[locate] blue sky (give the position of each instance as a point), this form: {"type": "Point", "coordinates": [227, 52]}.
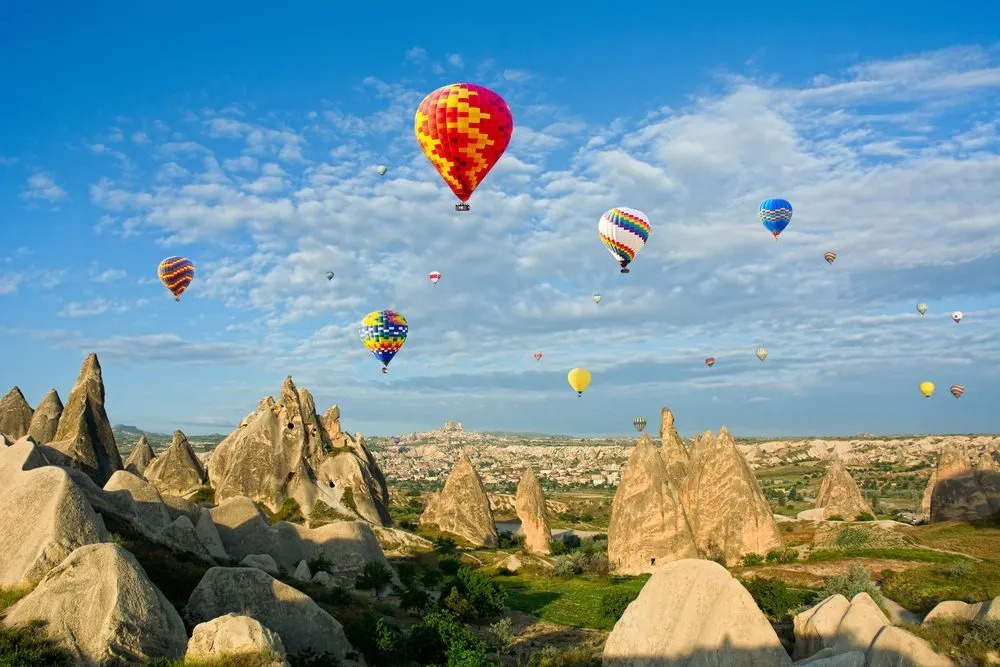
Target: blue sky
{"type": "Point", "coordinates": [245, 136]}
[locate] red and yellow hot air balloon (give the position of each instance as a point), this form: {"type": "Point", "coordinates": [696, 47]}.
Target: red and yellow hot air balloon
{"type": "Point", "coordinates": [710, 362]}
{"type": "Point", "coordinates": [463, 130]}
{"type": "Point", "coordinates": [176, 273]}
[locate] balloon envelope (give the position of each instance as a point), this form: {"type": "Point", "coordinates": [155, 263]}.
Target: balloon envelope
{"type": "Point", "coordinates": [830, 256]}
{"type": "Point", "coordinates": [957, 316]}
{"type": "Point", "coordinates": [383, 332]}
{"type": "Point", "coordinates": [381, 169]}
{"type": "Point", "coordinates": [927, 388]}
{"type": "Point", "coordinates": [957, 390]}
{"type": "Point", "coordinates": [329, 275]}
{"type": "Point", "coordinates": [775, 214]}
{"type": "Point", "coordinates": [538, 356]}
{"type": "Point", "coordinates": [639, 423]}
{"type": "Point", "coordinates": [463, 130]}
{"type": "Point", "coordinates": [624, 231]}
{"type": "Point", "coordinates": [597, 298]}
{"type": "Point", "coordinates": [761, 353]}
{"type": "Point", "coordinates": [579, 380]}
{"type": "Point", "coordinates": [710, 362]}
{"type": "Point", "coordinates": [176, 273]}
{"type": "Point", "coordinates": [434, 276]}
{"type": "Point", "coordinates": [921, 308]}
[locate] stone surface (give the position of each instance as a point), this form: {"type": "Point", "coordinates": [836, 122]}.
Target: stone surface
{"type": "Point", "coordinates": [233, 635]}
{"type": "Point", "coordinates": [263, 562]}
{"type": "Point", "coordinates": [839, 493]}
{"type": "Point", "coordinates": [149, 506]}
{"type": "Point", "coordinates": [859, 625]}
{"type": "Point", "coordinates": [462, 508]}
{"type": "Point", "coordinates": [177, 471]}
{"type": "Point", "coordinates": [895, 647]}
{"type": "Point", "coordinates": [45, 420]}
{"type": "Point", "coordinates": [530, 508]}
{"type": "Point", "coordinates": [956, 494]}
{"type": "Point", "coordinates": [142, 455]}
{"type": "Point", "coordinates": [816, 627]}
{"type": "Point", "coordinates": [15, 414]}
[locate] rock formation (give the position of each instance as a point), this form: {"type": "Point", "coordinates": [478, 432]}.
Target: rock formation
{"type": "Point", "coordinates": [462, 508]}
{"type": "Point", "coordinates": [839, 493]}
{"type": "Point", "coordinates": [728, 512]}
{"type": "Point", "coordinates": [15, 414]}
{"type": "Point", "coordinates": [149, 507]}
{"type": "Point", "coordinates": [45, 421]}
{"type": "Point", "coordinates": [675, 456]}
{"type": "Point", "coordinates": [693, 612]}
{"type": "Point", "coordinates": [142, 455]}
{"type": "Point", "coordinates": [894, 646]}
{"type": "Point", "coordinates": [177, 471]}
{"type": "Point", "coordinates": [84, 438]}
{"type": "Point", "coordinates": [925, 500]}
{"type": "Point", "coordinates": [649, 524]}
{"type": "Point", "coordinates": [234, 635]}
{"type": "Point", "coordinates": [816, 627]}
{"type": "Point", "coordinates": [956, 494]}
{"type": "Point", "coordinates": [988, 478]}
{"type": "Point", "coordinates": [530, 507]}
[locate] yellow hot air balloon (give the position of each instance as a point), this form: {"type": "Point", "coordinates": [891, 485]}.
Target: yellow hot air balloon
{"type": "Point", "coordinates": [579, 379]}
{"type": "Point", "coordinates": [927, 388]}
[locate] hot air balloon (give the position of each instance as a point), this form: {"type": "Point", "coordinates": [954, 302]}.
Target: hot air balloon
{"type": "Point", "coordinates": [538, 356]}
{"type": "Point", "coordinates": [957, 390]}
{"type": "Point", "coordinates": [761, 353]}
{"type": "Point", "coordinates": [176, 273]}
{"type": "Point", "coordinates": [921, 308]}
{"type": "Point", "coordinates": [927, 388]}
{"type": "Point", "coordinates": [463, 130]}
{"type": "Point", "coordinates": [381, 169]}
{"type": "Point", "coordinates": [434, 276]}
{"type": "Point", "coordinates": [383, 332]}
{"type": "Point", "coordinates": [639, 423]}
{"type": "Point", "coordinates": [329, 275]}
{"type": "Point", "coordinates": [395, 440]}
{"type": "Point", "coordinates": [775, 214]}
{"type": "Point", "coordinates": [597, 298]}
{"type": "Point", "coordinates": [957, 316]}
{"type": "Point", "coordinates": [579, 380]}
{"type": "Point", "coordinates": [624, 231]}
{"type": "Point", "coordinates": [710, 362]}
{"type": "Point", "coordinates": [830, 256]}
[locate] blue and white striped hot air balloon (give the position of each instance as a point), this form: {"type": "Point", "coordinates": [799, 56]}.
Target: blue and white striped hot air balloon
{"type": "Point", "coordinates": [775, 214]}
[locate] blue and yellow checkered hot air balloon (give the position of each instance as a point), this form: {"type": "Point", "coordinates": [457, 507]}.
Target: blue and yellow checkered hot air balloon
{"type": "Point", "coordinates": [176, 273]}
{"type": "Point", "coordinates": [775, 214]}
{"type": "Point", "coordinates": [383, 332]}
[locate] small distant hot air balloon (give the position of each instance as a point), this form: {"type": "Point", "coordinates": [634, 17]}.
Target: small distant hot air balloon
{"type": "Point", "coordinates": [579, 380]}
{"type": "Point", "coordinates": [927, 388]}
{"type": "Point", "coordinates": [830, 256]}
{"type": "Point", "coordinates": [761, 353]}
{"type": "Point", "coordinates": [395, 440]}
{"type": "Point", "coordinates": [775, 214]}
{"type": "Point", "coordinates": [463, 130]}
{"type": "Point", "coordinates": [957, 390]}
{"type": "Point", "coordinates": [597, 298]}
{"type": "Point", "coordinates": [538, 356]}
{"type": "Point", "coordinates": [639, 423]}
{"type": "Point", "coordinates": [624, 231]}
{"type": "Point", "coordinates": [383, 332]}
{"type": "Point", "coordinates": [957, 316]}
{"type": "Point", "coordinates": [381, 169]}
{"type": "Point", "coordinates": [710, 362]}
{"type": "Point", "coordinates": [434, 276]}
{"type": "Point", "coordinates": [329, 275]}
{"type": "Point", "coordinates": [176, 273]}
{"type": "Point", "coordinates": [921, 308]}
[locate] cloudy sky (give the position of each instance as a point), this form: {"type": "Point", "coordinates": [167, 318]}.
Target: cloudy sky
{"type": "Point", "coordinates": [245, 136]}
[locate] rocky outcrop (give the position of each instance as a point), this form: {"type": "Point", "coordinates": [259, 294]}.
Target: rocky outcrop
{"type": "Point", "coordinates": [693, 612]}
{"type": "Point", "coordinates": [956, 494]}
{"type": "Point", "coordinates": [100, 605]}
{"type": "Point", "coordinates": [859, 625]}
{"type": "Point", "coordinates": [300, 622]}
{"type": "Point", "coordinates": [839, 493]}
{"type": "Point", "coordinates": [895, 647]}
{"type": "Point", "coordinates": [925, 501]}
{"type": "Point", "coordinates": [530, 507]}
{"type": "Point", "coordinates": [675, 456]}
{"type": "Point", "coordinates": [142, 455]}
{"type": "Point", "coordinates": [45, 420]}
{"type": "Point", "coordinates": [728, 512]}
{"type": "Point", "coordinates": [234, 635]}
{"type": "Point", "coordinates": [178, 470]}
{"type": "Point", "coordinates": [649, 524]}
{"type": "Point", "coordinates": [462, 508]}
{"type": "Point", "coordinates": [84, 439]}
{"type": "Point", "coordinates": [149, 508]}
{"type": "Point", "coordinates": [15, 414]}
{"type": "Point", "coordinates": [988, 478]}
{"type": "Point", "coordinates": [816, 628]}
{"type": "Point", "coordinates": [355, 491]}
{"type": "Point", "coordinates": [988, 610]}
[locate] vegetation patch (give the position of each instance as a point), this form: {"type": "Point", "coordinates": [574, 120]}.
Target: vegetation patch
{"type": "Point", "coordinates": [970, 642]}
{"type": "Point", "coordinates": [775, 598]}
{"type": "Point", "coordinates": [921, 588]}
{"type": "Point", "coordinates": [575, 602]}
{"type": "Point", "coordinates": [323, 514]}
{"type": "Point", "coordinates": [859, 536]}
{"type": "Point", "coordinates": [29, 646]}
{"type": "Point", "coordinates": [289, 511]}
{"type": "Point", "coordinates": [912, 554]}
{"type": "Point", "coordinates": [348, 499]}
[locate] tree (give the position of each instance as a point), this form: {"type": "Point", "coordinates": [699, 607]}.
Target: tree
{"type": "Point", "coordinates": [375, 576]}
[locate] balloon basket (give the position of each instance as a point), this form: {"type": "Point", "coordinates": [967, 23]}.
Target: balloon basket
{"type": "Point", "coordinates": [385, 370]}
{"type": "Point", "coordinates": [626, 271]}
{"type": "Point", "coordinates": [462, 207]}
{"type": "Point", "coordinates": [177, 299]}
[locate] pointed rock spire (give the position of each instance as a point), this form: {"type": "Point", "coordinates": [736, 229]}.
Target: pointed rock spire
{"type": "Point", "coordinates": [45, 421]}
{"type": "Point", "coordinates": [462, 507]}
{"type": "Point", "coordinates": [529, 503]}
{"type": "Point", "coordinates": [15, 414]}
{"type": "Point", "coordinates": [839, 493]}
{"type": "Point", "coordinates": [140, 458]}
{"type": "Point", "coordinates": [956, 494]}
{"type": "Point", "coordinates": [178, 471]}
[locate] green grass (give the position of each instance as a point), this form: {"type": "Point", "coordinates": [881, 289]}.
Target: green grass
{"type": "Point", "coordinates": [259, 659]}
{"type": "Point", "coordinates": [921, 588]}
{"type": "Point", "coordinates": [30, 647]}
{"type": "Point", "coordinates": [575, 601]}
{"type": "Point", "coordinates": [903, 554]}
{"type": "Point", "coordinates": [970, 641]}
{"type": "Point", "coordinates": [8, 596]}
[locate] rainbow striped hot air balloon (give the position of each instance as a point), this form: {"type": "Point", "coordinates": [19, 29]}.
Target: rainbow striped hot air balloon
{"type": "Point", "coordinates": [830, 256]}
{"type": "Point", "coordinates": [383, 332]}
{"type": "Point", "coordinates": [176, 273]}
{"type": "Point", "coordinates": [775, 214]}
{"type": "Point", "coordinates": [624, 231]}
{"type": "Point", "coordinates": [639, 423]}
{"type": "Point", "coordinates": [957, 390]}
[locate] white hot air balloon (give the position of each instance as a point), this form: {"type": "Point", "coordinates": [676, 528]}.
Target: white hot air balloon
{"type": "Point", "coordinates": [624, 231]}
{"type": "Point", "coordinates": [434, 276]}
{"type": "Point", "coordinates": [957, 316]}
{"type": "Point", "coordinates": [381, 169]}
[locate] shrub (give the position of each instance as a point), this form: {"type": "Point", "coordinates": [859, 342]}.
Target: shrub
{"type": "Point", "coordinates": [407, 572]}
{"type": "Point", "coordinates": [614, 602]}
{"type": "Point", "coordinates": [441, 639]}
{"type": "Point", "coordinates": [388, 639]}
{"type": "Point", "coordinates": [835, 517]}
{"type": "Point", "coordinates": [334, 596]}
{"type": "Point", "coordinates": [375, 576]}
{"type": "Point", "coordinates": [865, 516]}
{"type": "Point", "coordinates": [320, 563]}
{"type": "Point", "coordinates": [774, 597]}
{"type": "Point", "coordinates": [855, 580]}
{"type": "Point", "coordinates": [30, 645]}
{"type": "Point", "coordinates": [449, 564]}
{"type": "Point", "coordinates": [752, 559]}
{"type": "Point", "coordinates": [960, 569]}
{"type": "Point", "coordinates": [571, 540]}
{"type": "Point", "coordinates": [289, 511]}
{"type": "Point", "coordinates": [558, 547]}
{"type": "Point", "coordinates": [509, 540]}
{"type": "Point", "coordinates": [455, 602]}
{"type": "Point", "coordinates": [445, 545]}
{"type": "Point", "coordinates": [430, 577]}
{"type": "Point", "coordinates": [486, 596]}
{"type": "Point", "coordinates": [984, 633]}
{"type": "Point", "coordinates": [501, 636]}
{"type": "Point", "coordinates": [782, 556]}
{"type": "Point", "coordinates": [565, 566]}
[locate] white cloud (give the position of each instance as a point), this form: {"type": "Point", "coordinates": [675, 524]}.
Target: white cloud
{"type": "Point", "coordinates": [140, 138]}
{"type": "Point", "coordinates": [91, 308]}
{"type": "Point", "coordinates": [455, 60]}
{"type": "Point", "coordinates": [109, 275]}
{"type": "Point", "coordinates": [516, 75]}
{"type": "Point", "coordinates": [416, 54]}
{"type": "Point", "coordinates": [42, 187]}
{"type": "Point", "coordinates": [9, 283]}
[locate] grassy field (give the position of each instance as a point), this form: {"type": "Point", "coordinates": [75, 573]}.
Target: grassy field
{"type": "Point", "coordinates": [572, 601]}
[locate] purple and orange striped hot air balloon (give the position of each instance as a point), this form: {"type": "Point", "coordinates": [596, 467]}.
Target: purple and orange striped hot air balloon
{"type": "Point", "coordinates": [830, 256]}
{"type": "Point", "coordinates": [957, 390]}
{"type": "Point", "coordinates": [176, 273]}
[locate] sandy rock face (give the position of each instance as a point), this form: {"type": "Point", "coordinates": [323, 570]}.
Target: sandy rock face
{"type": "Point", "coordinates": [100, 605]}
{"type": "Point", "coordinates": [957, 494]}
{"type": "Point", "coordinates": [925, 500]}
{"type": "Point", "coordinates": [648, 520]}
{"type": "Point", "coordinates": [720, 624]}
{"type": "Point", "coordinates": [988, 478]}
{"type": "Point", "coordinates": [675, 456]}
{"type": "Point", "coordinates": [233, 634]}
{"type": "Point", "coordinates": [15, 414]}
{"type": "Point", "coordinates": [839, 493]}
{"type": "Point", "coordinates": [530, 507]}
{"type": "Point", "coordinates": [355, 490]}
{"type": "Point", "coordinates": [178, 471]}
{"type": "Point", "coordinates": [45, 420]}
{"type": "Point", "coordinates": [149, 506]}
{"type": "Point", "coordinates": [895, 647]}
{"type": "Point", "coordinates": [84, 438]}
{"type": "Point", "coordinates": [299, 621]}
{"type": "Point", "coordinates": [462, 507]}
{"type": "Point", "coordinates": [859, 625]}
{"type": "Point", "coordinates": [728, 512]}
{"type": "Point", "coordinates": [816, 628]}
{"type": "Point", "coordinates": [140, 458]}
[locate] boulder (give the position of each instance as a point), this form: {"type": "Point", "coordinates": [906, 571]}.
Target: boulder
{"type": "Point", "coordinates": [839, 493]}
{"type": "Point", "coordinates": [649, 524]}
{"type": "Point", "coordinates": [952, 609]}
{"type": "Point", "coordinates": [233, 635]}
{"type": "Point", "coordinates": [300, 622]}
{"type": "Point", "coordinates": [462, 508]}
{"type": "Point", "coordinates": [45, 420]}
{"type": "Point", "coordinates": [895, 647]}
{"type": "Point", "coordinates": [827, 658]}
{"type": "Point", "coordinates": [530, 508]}
{"type": "Point", "coordinates": [84, 439]}
{"type": "Point", "coordinates": [400, 542]}
{"type": "Point", "coordinates": [15, 414]}
{"type": "Point", "coordinates": [149, 507]}
{"type": "Point", "coordinates": [142, 455]}
{"type": "Point", "coordinates": [302, 572]}
{"type": "Point", "coordinates": [861, 622]}
{"type": "Point", "coordinates": [694, 613]}
{"type": "Point", "coordinates": [262, 562]}
{"type": "Point", "coordinates": [177, 471]}
{"type": "Point", "coordinates": [816, 627]}
{"type": "Point", "coordinates": [100, 605]}
{"type": "Point", "coordinates": [324, 579]}
{"type": "Point", "coordinates": [956, 495]}
{"type": "Point", "coordinates": [812, 515]}
{"type": "Point", "coordinates": [181, 536]}
{"type": "Point", "coordinates": [209, 535]}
